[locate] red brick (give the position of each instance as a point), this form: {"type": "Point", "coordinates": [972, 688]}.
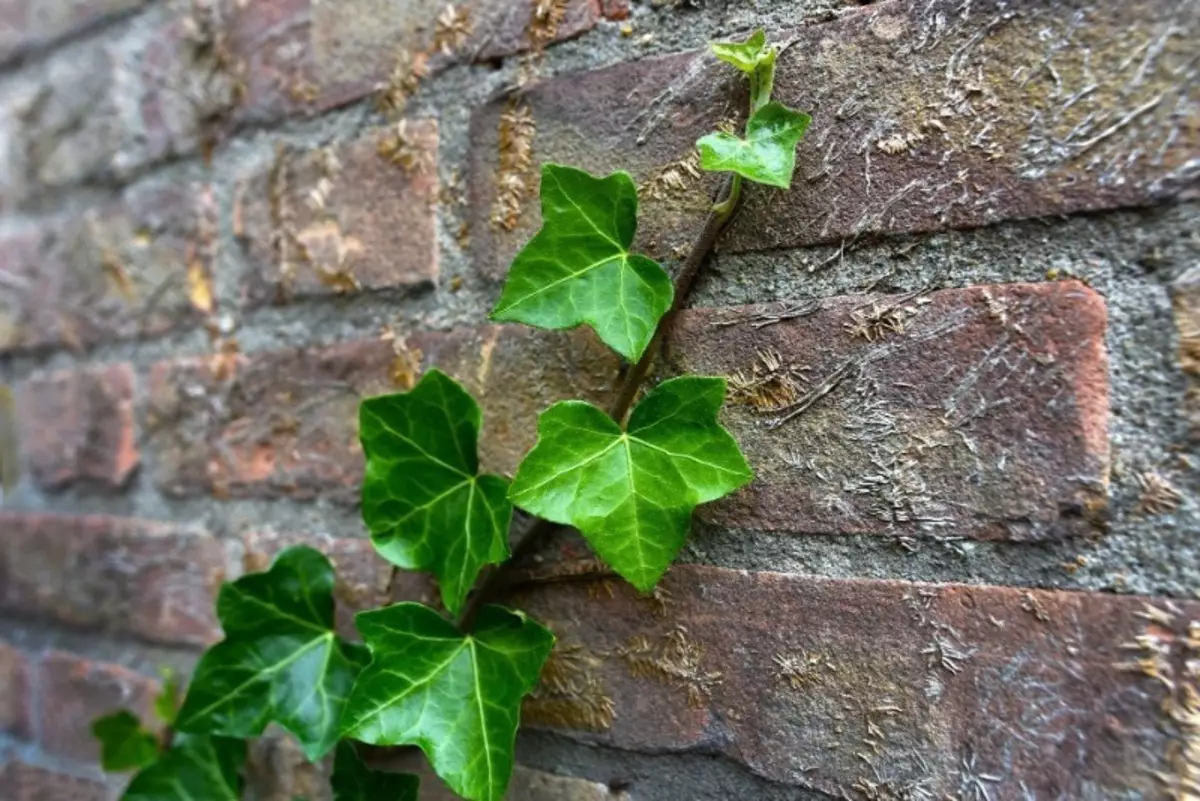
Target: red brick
{"type": "Point", "coordinates": [926, 116]}
{"type": "Point", "coordinates": [152, 580]}
{"type": "Point", "coordinates": [285, 423]}
{"type": "Point", "coordinates": [342, 218]}
{"type": "Point", "coordinates": [77, 425]}
{"type": "Point", "coordinates": [986, 417]}
{"type": "Point", "coordinates": [73, 692]}
{"type": "Point", "coordinates": [118, 271]}
{"type": "Point", "coordinates": [32, 23]}
{"type": "Point", "coordinates": [23, 782]}
{"type": "Point", "coordinates": [15, 713]}
{"type": "Point", "coordinates": [829, 684]}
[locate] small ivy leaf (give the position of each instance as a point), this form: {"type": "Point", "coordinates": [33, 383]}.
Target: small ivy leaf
{"type": "Point", "coordinates": [768, 153]}
{"type": "Point", "coordinates": [280, 660]}
{"type": "Point", "coordinates": [456, 696]}
{"type": "Point", "coordinates": [746, 55]}
{"type": "Point", "coordinates": [578, 268]}
{"type": "Point", "coordinates": [124, 744]}
{"type": "Point", "coordinates": [166, 703]}
{"type": "Point", "coordinates": [422, 500]}
{"type": "Point", "coordinates": [631, 493]}
{"type": "Point", "coordinates": [354, 781]}
{"type": "Point", "coordinates": [196, 767]}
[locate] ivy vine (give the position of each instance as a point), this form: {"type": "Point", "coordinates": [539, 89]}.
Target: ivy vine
{"type": "Point", "coordinates": [627, 480]}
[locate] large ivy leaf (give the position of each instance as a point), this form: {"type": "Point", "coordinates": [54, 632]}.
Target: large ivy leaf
{"type": "Point", "coordinates": [422, 500]}
{"type": "Point", "coordinates": [124, 744]}
{"type": "Point", "coordinates": [280, 660]}
{"type": "Point", "coordinates": [456, 696]}
{"type": "Point", "coordinates": [747, 55]}
{"type": "Point", "coordinates": [195, 768]}
{"type": "Point", "coordinates": [578, 268]}
{"type": "Point", "coordinates": [632, 492]}
{"type": "Point", "coordinates": [768, 153]}
{"type": "Point", "coordinates": [354, 781]}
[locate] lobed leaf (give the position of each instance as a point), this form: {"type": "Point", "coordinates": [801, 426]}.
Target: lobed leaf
{"type": "Point", "coordinates": [768, 153]}
{"type": "Point", "coordinates": [354, 781]}
{"type": "Point", "coordinates": [280, 660]}
{"type": "Point", "coordinates": [422, 499]}
{"type": "Point", "coordinates": [124, 744]}
{"type": "Point", "coordinates": [579, 269]}
{"type": "Point", "coordinates": [456, 696]}
{"type": "Point", "coordinates": [631, 493]}
{"type": "Point", "coordinates": [196, 767]}
{"type": "Point", "coordinates": [747, 55]}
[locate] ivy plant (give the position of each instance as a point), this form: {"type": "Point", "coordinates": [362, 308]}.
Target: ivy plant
{"type": "Point", "coordinates": [451, 680]}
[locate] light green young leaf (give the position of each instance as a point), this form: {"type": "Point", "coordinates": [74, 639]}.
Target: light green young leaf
{"type": "Point", "coordinates": [746, 55]}
{"type": "Point", "coordinates": [280, 660]}
{"type": "Point", "coordinates": [767, 154]}
{"type": "Point", "coordinates": [354, 781]}
{"type": "Point", "coordinates": [631, 493]}
{"type": "Point", "coordinates": [422, 499]}
{"type": "Point", "coordinates": [456, 696]}
{"type": "Point", "coordinates": [166, 703]}
{"type": "Point", "coordinates": [579, 269]}
{"type": "Point", "coordinates": [196, 767]}
{"type": "Point", "coordinates": [124, 744]}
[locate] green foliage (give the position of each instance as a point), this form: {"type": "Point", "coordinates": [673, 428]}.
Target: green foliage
{"type": "Point", "coordinates": [456, 696]}
{"type": "Point", "coordinates": [768, 153]}
{"type": "Point", "coordinates": [124, 744]}
{"type": "Point", "coordinates": [747, 56]}
{"type": "Point", "coordinates": [422, 500]}
{"type": "Point", "coordinates": [632, 492]}
{"type": "Point", "coordinates": [579, 269]}
{"type": "Point", "coordinates": [354, 781]}
{"type": "Point", "coordinates": [280, 660]}
{"type": "Point", "coordinates": [166, 703]}
{"type": "Point", "coordinates": [196, 767]}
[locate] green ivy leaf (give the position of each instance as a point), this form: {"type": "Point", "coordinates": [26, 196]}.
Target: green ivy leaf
{"type": "Point", "coordinates": [422, 500]}
{"type": "Point", "coordinates": [747, 55]}
{"type": "Point", "coordinates": [767, 154]}
{"type": "Point", "coordinates": [578, 268]}
{"type": "Point", "coordinates": [124, 744]}
{"type": "Point", "coordinates": [166, 703]}
{"type": "Point", "coordinates": [456, 696]}
{"type": "Point", "coordinates": [354, 781]}
{"type": "Point", "coordinates": [280, 660]}
{"type": "Point", "coordinates": [196, 767]}
{"type": "Point", "coordinates": [631, 493]}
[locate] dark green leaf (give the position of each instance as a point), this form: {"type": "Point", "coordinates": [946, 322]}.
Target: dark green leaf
{"type": "Point", "coordinates": [354, 781]}
{"type": "Point", "coordinates": [767, 154]}
{"type": "Point", "coordinates": [631, 493]}
{"type": "Point", "coordinates": [578, 268]}
{"type": "Point", "coordinates": [280, 660]}
{"type": "Point", "coordinates": [197, 768]}
{"type": "Point", "coordinates": [744, 55]}
{"type": "Point", "coordinates": [124, 744]}
{"type": "Point", "coordinates": [166, 703]}
{"type": "Point", "coordinates": [425, 505]}
{"type": "Point", "coordinates": [456, 696]}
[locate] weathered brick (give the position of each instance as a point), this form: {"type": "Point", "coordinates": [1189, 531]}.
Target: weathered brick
{"type": "Point", "coordinates": [20, 781]}
{"type": "Point", "coordinates": [121, 270]}
{"type": "Point", "coordinates": [73, 692]}
{"type": "Point", "coordinates": [152, 580]}
{"type": "Point", "coordinates": [342, 218]}
{"type": "Point", "coordinates": [15, 713]}
{"type": "Point", "coordinates": [527, 784]}
{"type": "Point", "coordinates": [978, 412]}
{"type": "Point", "coordinates": [833, 684]}
{"type": "Point", "coordinates": [926, 115]}
{"type": "Point", "coordinates": [77, 425]}
{"type": "Point", "coordinates": [286, 422]}
{"type": "Point", "coordinates": [32, 23]}
{"type": "Point", "coordinates": [1187, 322]}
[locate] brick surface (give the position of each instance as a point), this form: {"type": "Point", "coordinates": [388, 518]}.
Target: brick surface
{"type": "Point", "coordinates": [20, 781]}
{"type": "Point", "coordinates": [151, 580]}
{"type": "Point", "coordinates": [926, 115]}
{"type": "Point", "coordinates": [1187, 322]}
{"type": "Point", "coordinates": [78, 426]}
{"type": "Point", "coordinates": [31, 23]}
{"type": "Point", "coordinates": [527, 784]}
{"type": "Point", "coordinates": [15, 713]}
{"type": "Point", "coordinates": [285, 423]}
{"type": "Point", "coordinates": [838, 685]}
{"type": "Point", "coordinates": [119, 270]}
{"type": "Point", "coordinates": [978, 412]}
{"type": "Point", "coordinates": [342, 218]}
{"type": "Point", "coordinates": [73, 692]}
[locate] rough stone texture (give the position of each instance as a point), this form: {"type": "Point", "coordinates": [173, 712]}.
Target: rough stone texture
{"type": "Point", "coordinates": [343, 218]}
{"type": "Point", "coordinates": [925, 116]}
{"type": "Point", "coordinates": [286, 423]}
{"type": "Point", "coordinates": [79, 427]}
{"type": "Point", "coordinates": [34, 23]}
{"type": "Point", "coordinates": [839, 685]}
{"type": "Point", "coordinates": [151, 580]}
{"type": "Point", "coordinates": [20, 781]}
{"type": "Point", "coordinates": [16, 716]}
{"type": "Point", "coordinates": [978, 412]}
{"type": "Point", "coordinates": [1187, 320]}
{"type": "Point", "coordinates": [527, 784]}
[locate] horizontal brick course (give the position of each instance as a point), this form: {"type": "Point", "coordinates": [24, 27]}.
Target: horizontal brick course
{"type": "Point", "coordinates": [32, 23]}
{"type": "Point", "coordinates": [20, 781]}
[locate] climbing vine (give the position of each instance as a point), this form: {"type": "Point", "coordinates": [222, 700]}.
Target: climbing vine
{"type": "Point", "coordinates": [628, 478]}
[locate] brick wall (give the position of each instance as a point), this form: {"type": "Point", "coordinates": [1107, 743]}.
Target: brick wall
{"type": "Point", "coordinates": [968, 569]}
